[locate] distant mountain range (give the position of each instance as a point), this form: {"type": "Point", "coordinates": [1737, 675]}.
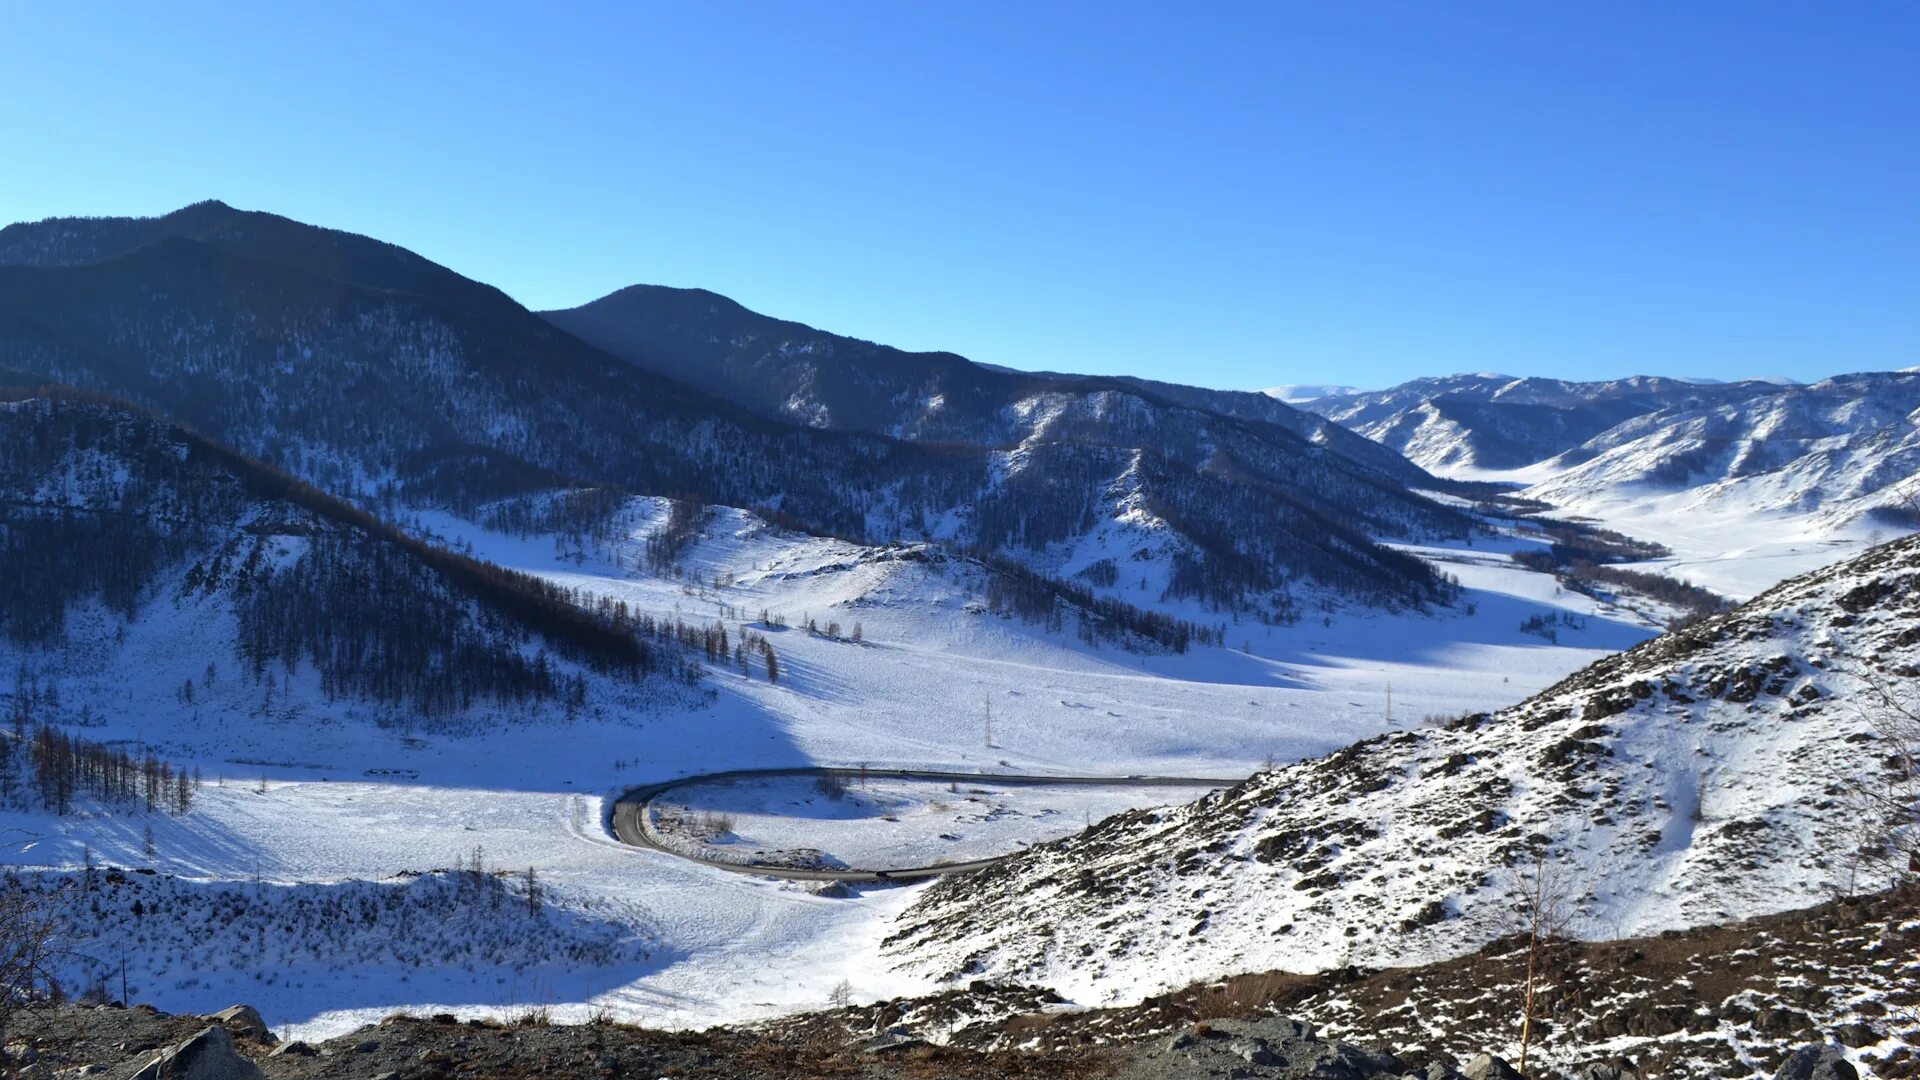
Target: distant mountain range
{"type": "Point", "coordinates": [1845, 448]}
{"type": "Point", "coordinates": [790, 371]}
{"type": "Point", "coordinates": [394, 382]}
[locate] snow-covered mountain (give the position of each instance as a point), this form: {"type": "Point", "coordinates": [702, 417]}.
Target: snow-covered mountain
{"type": "Point", "coordinates": [382, 377]}
{"type": "Point", "coordinates": [794, 372]}
{"type": "Point", "coordinates": [1744, 483]}
{"type": "Point", "coordinates": [1697, 778]}
{"type": "Point", "coordinates": [1844, 448]}
{"type": "Point", "coordinates": [1491, 421]}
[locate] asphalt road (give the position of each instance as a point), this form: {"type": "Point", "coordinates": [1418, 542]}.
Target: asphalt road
{"type": "Point", "coordinates": [629, 820]}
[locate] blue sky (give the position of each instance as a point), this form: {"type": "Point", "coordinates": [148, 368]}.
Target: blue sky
{"type": "Point", "coordinates": [1229, 195]}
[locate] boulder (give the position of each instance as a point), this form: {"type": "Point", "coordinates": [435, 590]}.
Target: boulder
{"type": "Point", "coordinates": [296, 1048]}
{"type": "Point", "coordinates": [1488, 1067]}
{"type": "Point", "coordinates": [207, 1056]}
{"type": "Point", "coordinates": [892, 1040]}
{"type": "Point", "coordinates": [1255, 1052]}
{"type": "Point", "coordinates": [244, 1021]}
{"type": "Point", "coordinates": [1856, 1035]}
{"type": "Point", "coordinates": [1827, 1062]}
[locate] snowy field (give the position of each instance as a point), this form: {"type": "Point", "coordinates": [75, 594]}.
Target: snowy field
{"type": "Point", "coordinates": [883, 822]}
{"type": "Point", "coordinates": [309, 796]}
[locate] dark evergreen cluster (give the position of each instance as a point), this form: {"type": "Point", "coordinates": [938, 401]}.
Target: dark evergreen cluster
{"type": "Point", "coordinates": [1015, 590]}
{"type": "Point", "coordinates": [684, 520]}
{"type": "Point", "coordinates": [1254, 538]}
{"type": "Point", "coordinates": [1579, 554]}
{"type": "Point", "coordinates": [576, 515]}
{"type": "Point", "coordinates": [377, 624]}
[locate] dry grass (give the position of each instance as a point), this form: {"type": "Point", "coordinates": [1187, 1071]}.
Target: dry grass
{"type": "Point", "coordinates": [1249, 995]}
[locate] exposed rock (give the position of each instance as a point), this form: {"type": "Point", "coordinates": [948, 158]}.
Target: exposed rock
{"type": "Point", "coordinates": [244, 1021]}
{"type": "Point", "coordinates": [1856, 1035]}
{"type": "Point", "coordinates": [1488, 1067]}
{"type": "Point", "coordinates": [207, 1056]}
{"type": "Point", "coordinates": [1826, 1062]}
{"type": "Point", "coordinates": [892, 1040]}
{"type": "Point", "coordinates": [1269, 1047]}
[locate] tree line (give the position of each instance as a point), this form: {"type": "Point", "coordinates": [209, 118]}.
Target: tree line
{"type": "Point", "coordinates": [1013, 589]}
{"type": "Point", "coordinates": [45, 766]}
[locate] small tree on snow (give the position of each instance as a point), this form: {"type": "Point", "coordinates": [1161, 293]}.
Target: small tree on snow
{"type": "Point", "coordinates": [1885, 798]}
{"type": "Point", "coordinates": [1543, 908]}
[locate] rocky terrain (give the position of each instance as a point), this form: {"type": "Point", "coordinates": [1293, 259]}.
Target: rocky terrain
{"type": "Point", "coordinates": [1701, 777]}
{"type": "Point", "coordinates": [1835, 987]}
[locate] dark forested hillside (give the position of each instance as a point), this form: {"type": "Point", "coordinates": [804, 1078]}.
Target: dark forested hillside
{"type": "Point", "coordinates": [390, 381]}
{"type": "Point", "coordinates": [108, 515]}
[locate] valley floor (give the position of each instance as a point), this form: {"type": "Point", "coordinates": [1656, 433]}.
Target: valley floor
{"type": "Point", "coordinates": [308, 797]}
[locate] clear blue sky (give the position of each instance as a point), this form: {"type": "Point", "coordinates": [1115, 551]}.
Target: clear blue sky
{"type": "Point", "coordinates": [1230, 195]}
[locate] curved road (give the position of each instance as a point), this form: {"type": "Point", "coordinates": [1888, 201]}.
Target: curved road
{"type": "Point", "coordinates": [631, 825]}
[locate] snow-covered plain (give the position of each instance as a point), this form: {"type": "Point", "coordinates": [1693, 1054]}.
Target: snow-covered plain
{"type": "Point", "coordinates": [309, 794]}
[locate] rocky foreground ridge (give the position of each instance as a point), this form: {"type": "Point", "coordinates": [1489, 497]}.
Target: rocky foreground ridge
{"type": "Point", "coordinates": [1827, 993]}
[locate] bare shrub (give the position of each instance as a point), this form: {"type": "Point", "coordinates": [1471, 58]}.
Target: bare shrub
{"type": "Point", "coordinates": [1246, 995]}
{"type": "Point", "coordinates": [1885, 800]}
{"type": "Point", "coordinates": [32, 944]}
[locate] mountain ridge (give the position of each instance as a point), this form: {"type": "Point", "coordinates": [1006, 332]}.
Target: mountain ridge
{"type": "Point", "coordinates": [389, 379]}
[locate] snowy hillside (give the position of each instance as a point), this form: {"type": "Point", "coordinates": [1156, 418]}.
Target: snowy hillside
{"type": "Point", "coordinates": [1843, 448]}
{"type": "Point", "coordinates": [151, 571]}
{"type": "Point", "coordinates": [794, 372]}
{"type": "Point", "coordinates": [1693, 779]}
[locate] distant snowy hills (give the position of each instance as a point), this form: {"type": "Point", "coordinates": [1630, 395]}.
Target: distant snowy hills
{"type": "Point", "coordinates": [1697, 778]}
{"type": "Point", "coordinates": [1745, 481]}
{"type": "Point", "coordinates": [1491, 421]}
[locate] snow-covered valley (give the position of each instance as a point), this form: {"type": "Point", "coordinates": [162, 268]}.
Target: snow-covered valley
{"type": "Point", "coordinates": [304, 795]}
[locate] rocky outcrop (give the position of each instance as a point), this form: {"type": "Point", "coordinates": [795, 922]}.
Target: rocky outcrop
{"type": "Point", "coordinates": [244, 1021]}
{"type": "Point", "coordinates": [207, 1056]}
{"type": "Point", "coordinates": [1818, 1063]}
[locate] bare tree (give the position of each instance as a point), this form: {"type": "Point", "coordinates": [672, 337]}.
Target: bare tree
{"type": "Point", "coordinates": [1885, 800]}
{"type": "Point", "coordinates": [33, 942]}
{"type": "Point", "coordinates": [1543, 907]}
